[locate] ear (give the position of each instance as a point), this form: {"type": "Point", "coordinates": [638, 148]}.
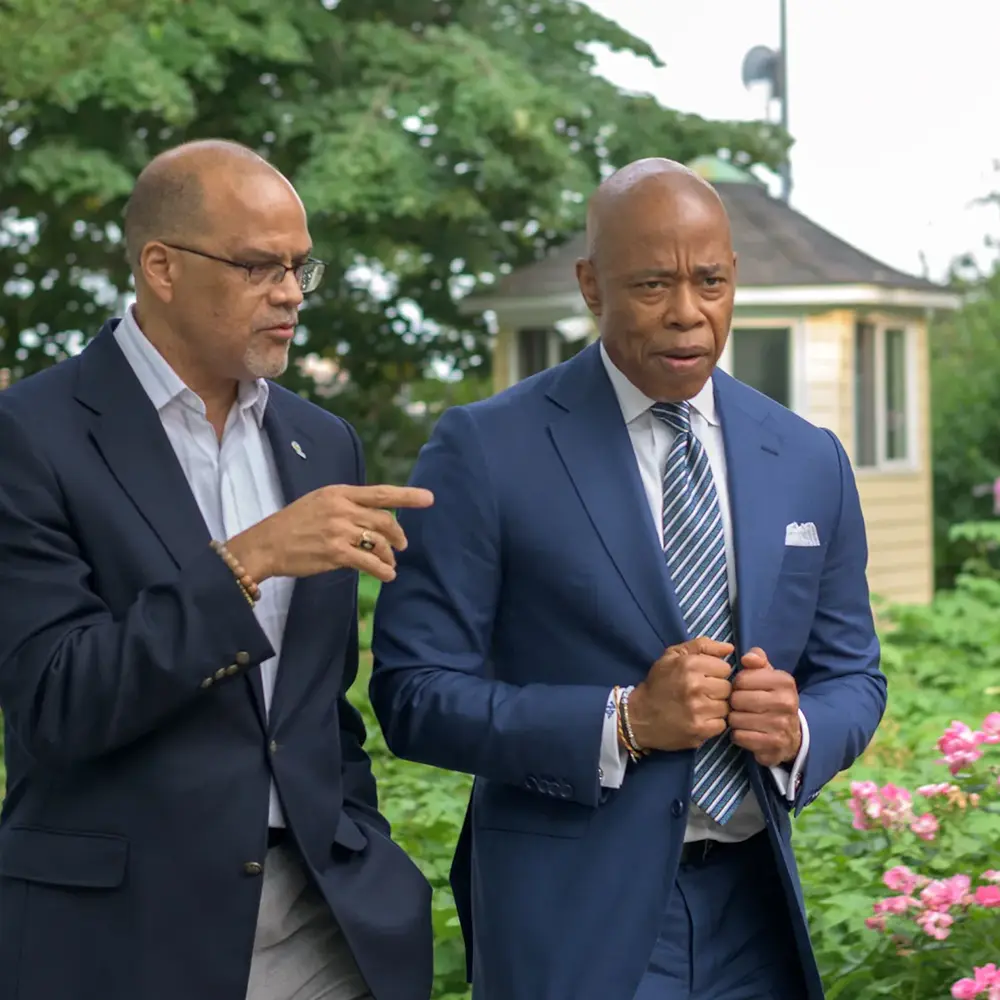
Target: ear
{"type": "Point", "coordinates": [586, 278]}
{"type": "Point", "coordinates": [158, 270]}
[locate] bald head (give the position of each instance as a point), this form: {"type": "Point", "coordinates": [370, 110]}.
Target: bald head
{"type": "Point", "coordinates": [659, 276]}
{"type": "Point", "coordinates": [171, 195]}
{"type": "Point", "coordinates": [644, 186]}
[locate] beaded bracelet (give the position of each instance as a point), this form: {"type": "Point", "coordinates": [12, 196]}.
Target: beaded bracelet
{"type": "Point", "coordinates": [246, 582]}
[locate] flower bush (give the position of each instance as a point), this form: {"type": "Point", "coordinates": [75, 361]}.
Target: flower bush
{"type": "Point", "coordinates": [933, 926]}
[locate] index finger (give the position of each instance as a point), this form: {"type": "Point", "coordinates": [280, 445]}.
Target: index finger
{"type": "Point", "coordinates": [392, 497]}
{"type": "Point", "coordinates": [713, 666]}
{"type": "Point", "coordinates": [709, 647]}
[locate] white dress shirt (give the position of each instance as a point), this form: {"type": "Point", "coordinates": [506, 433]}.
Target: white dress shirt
{"type": "Point", "coordinates": [651, 441]}
{"type": "Point", "coordinates": [235, 481]}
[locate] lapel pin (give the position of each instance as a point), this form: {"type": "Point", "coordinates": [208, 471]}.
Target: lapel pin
{"type": "Point", "coordinates": [297, 448]}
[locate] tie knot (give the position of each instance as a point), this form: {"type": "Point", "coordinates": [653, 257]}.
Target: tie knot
{"type": "Point", "coordinates": [675, 415]}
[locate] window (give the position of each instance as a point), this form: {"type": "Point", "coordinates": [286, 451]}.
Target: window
{"type": "Point", "coordinates": [761, 357]}
{"type": "Point", "coordinates": [539, 348]}
{"type": "Point", "coordinates": [532, 351]}
{"type": "Point", "coordinates": [882, 396]}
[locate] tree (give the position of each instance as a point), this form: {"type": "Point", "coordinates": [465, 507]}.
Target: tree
{"type": "Point", "coordinates": [435, 143]}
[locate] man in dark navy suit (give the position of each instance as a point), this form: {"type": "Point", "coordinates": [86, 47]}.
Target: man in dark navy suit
{"type": "Point", "coordinates": [190, 813]}
{"type": "Point", "coordinates": [638, 613]}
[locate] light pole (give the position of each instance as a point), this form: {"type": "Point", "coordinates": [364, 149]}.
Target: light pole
{"type": "Point", "coordinates": [764, 65]}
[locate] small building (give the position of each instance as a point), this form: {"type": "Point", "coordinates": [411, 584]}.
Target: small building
{"type": "Point", "coordinates": [819, 326]}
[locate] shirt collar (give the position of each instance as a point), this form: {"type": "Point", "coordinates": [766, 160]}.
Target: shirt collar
{"type": "Point", "coordinates": [634, 402]}
{"type": "Point", "coordinates": [163, 385]}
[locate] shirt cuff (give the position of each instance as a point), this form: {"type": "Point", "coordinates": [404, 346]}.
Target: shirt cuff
{"type": "Point", "coordinates": [788, 781]}
{"type": "Point", "coordinates": [613, 759]}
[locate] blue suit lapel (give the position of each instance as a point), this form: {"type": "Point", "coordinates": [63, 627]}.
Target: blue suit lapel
{"type": "Point", "coordinates": [591, 438]}
{"type": "Point", "coordinates": [753, 454]}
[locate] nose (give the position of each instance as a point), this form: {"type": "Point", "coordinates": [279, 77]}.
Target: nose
{"type": "Point", "coordinates": [683, 309]}
{"type": "Point", "coordinates": [287, 292]}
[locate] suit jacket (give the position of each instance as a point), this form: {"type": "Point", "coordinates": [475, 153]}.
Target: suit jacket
{"type": "Point", "coordinates": [139, 759]}
{"type": "Point", "coordinates": [534, 585]}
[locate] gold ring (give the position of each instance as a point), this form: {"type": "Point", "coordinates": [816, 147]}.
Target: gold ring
{"type": "Point", "coordinates": [367, 542]}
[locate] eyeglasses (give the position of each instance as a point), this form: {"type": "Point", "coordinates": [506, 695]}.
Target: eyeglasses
{"type": "Point", "coordinates": [308, 274]}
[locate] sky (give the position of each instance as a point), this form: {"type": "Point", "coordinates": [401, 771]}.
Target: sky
{"type": "Point", "coordinates": [894, 106]}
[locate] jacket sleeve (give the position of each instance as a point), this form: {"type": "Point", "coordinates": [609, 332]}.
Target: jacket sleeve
{"type": "Point", "coordinates": [842, 691]}
{"type": "Point", "coordinates": [76, 682]}
{"type": "Point", "coordinates": [432, 685]}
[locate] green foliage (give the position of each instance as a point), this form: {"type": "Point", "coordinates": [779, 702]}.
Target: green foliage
{"type": "Point", "coordinates": [965, 402]}
{"type": "Point", "coordinates": [435, 144]}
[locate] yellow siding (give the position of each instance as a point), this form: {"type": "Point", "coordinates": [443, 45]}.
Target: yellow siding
{"type": "Point", "coordinates": [897, 505]}
{"type": "Point", "coordinates": [501, 359]}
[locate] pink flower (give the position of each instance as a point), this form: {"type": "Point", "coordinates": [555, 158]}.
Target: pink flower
{"type": "Point", "coordinates": [943, 894]}
{"type": "Point", "coordinates": [986, 978]}
{"type": "Point", "coordinates": [960, 746]}
{"type": "Point", "coordinates": [988, 895]}
{"type": "Point", "coordinates": [943, 788]}
{"type": "Point", "coordinates": [925, 827]}
{"type": "Point", "coordinates": [965, 989]}
{"type": "Point", "coordinates": [990, 876]}
{"type": "Point", "coordinates": [991, 728]}
{"type": "Point", "coordinates": [877, 924]}
{"type": "Point", "coordinates": [901, 879]}
{"type": "Point", "coordinates": [935, 924]}
{"type": "Point", "coordinates": [896, 905]}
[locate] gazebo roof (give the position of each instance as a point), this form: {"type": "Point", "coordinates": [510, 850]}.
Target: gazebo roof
{"type": "Point", "coordinates": [778, 247]}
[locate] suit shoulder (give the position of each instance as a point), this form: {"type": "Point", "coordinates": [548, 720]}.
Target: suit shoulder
{"type": "Point", "coordinates": [44, 387]}
{"type": "Point", "coordinates": [787, 423]}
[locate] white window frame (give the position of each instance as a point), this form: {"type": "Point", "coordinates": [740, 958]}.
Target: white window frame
{"type": "Point", "coordinates": [553, 345]}
{"type": "Point", "coordinates": [910, 462]}
{"type": "Point", "coordinates": [796, 326]}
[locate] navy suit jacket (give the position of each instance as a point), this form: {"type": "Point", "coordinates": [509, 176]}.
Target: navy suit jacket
{"type": "Point", "coordinates": [139, 758]}
{"type": "Point", "coordinates": [535, 584]}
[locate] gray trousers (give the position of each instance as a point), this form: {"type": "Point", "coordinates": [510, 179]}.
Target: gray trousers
{"type": "Point", "coordinates": [299, 952]}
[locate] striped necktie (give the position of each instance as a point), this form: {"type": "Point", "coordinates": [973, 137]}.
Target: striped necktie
{"type": "Point", "coordinates": [694, 544]}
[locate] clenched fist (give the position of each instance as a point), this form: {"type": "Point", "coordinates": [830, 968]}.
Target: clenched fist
{"type": "Point", "coordinates": [323, 531]}
{"type": "Point", "coordinates": [684, 699]}
{"type": "Point", "coordinates": [764, 711]}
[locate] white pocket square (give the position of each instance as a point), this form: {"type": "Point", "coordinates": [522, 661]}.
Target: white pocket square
{"type": "Point", "coordinates": [801, 534]}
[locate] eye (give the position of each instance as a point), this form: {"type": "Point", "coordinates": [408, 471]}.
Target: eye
{"type": "Point", "coordinates": [713, 281]}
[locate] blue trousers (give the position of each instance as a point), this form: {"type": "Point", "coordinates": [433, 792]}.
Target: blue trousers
{"type": "Point", "coordinates": [726, 933]}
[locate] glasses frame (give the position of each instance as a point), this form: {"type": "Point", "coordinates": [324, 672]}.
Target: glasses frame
{"type": "Point", "coordinates": [308, 273]}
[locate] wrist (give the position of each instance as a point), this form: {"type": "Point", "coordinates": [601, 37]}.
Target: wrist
{"type": "Point", "coordinates": [253, 557]}
{"type": "Point", "coordinates": [627, 737]}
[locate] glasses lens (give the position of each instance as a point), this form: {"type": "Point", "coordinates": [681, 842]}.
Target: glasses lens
{"type": "Point", "coordinates": [310, 275]}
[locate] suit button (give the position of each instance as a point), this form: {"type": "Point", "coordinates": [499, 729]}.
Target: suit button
{"type": "Point", "coordinates": [207, 682]}
{"type": "Point", "coordinates": [677, 808]}
{"type": "Point", "coordinates": [531, 783]}
{"type": "Point", "coordinates": [243, 659]}
{"type": "Point", "coordinates": [565, 791]}
{"type": "Point", "coordinates": [273, 746]}
{"type": "Point", "coordinates": [253, 868]}
{"type": "Point", "coordinates": [220, 673]}
{"type": "Point", "coordinates": [232, 669]}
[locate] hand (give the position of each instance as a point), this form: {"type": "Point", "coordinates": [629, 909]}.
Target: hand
{"type": "Point", "coordinates": [321, 530]}
{"type": "Point", "coordinates": [684, 699]}
{"type": "Point", "coordinates": [764, 711]}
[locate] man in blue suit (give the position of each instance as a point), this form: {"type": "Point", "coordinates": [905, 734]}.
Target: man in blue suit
{"type": "Point", "coordinates": [638, 614]}
{"type": "Point", "coordinates": [190, 813]}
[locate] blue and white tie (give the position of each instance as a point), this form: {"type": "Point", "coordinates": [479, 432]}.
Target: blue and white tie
{"type": "Point", "coordinates": [694, 544]}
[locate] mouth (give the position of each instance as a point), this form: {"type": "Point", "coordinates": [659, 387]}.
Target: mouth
{"type": "Point", "coordinates": [283, 331]}
{"type": "Point", "coordinates": [682, 358]}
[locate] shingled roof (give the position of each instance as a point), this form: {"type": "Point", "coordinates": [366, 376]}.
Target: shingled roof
{"type": "Point", "coordinates": [777, 247]}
